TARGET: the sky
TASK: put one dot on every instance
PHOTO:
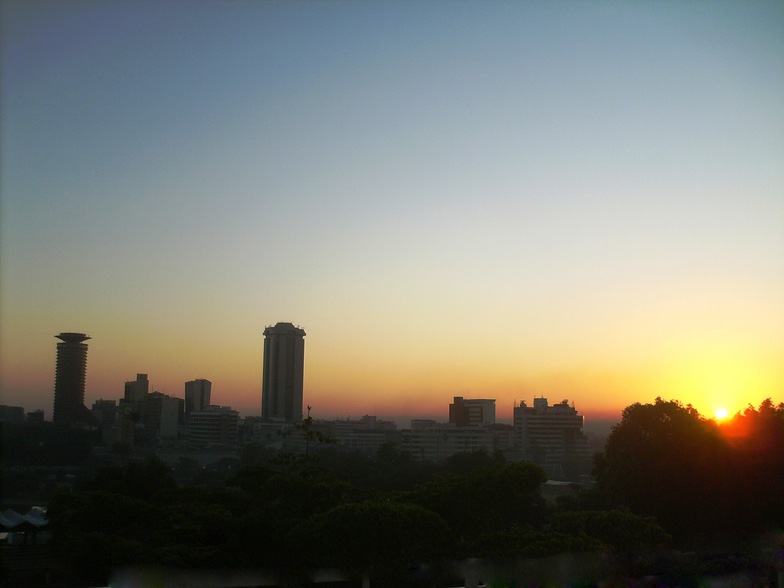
(580, 200)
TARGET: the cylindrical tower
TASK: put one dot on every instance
(69, 379)
(284, 362)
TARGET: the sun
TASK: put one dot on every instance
(720, 414)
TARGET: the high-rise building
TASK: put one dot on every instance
(284, 363)
(161, 416)
(552, 436)
(197, 396)
(69, 380)
(136, 390)
(467, 412)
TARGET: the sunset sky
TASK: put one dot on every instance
(581, 200)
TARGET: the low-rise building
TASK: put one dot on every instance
(439, 442)
(367, 434)
(11, 414)
(213, 426)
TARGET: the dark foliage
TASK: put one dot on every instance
(498, 497)
(618, 530)
(665, 472)
(698, 479)
(44, 444)
(372, 535)
(137, 479)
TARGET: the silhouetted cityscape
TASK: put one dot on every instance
(534, 249)
(187, 486)
(143, 420)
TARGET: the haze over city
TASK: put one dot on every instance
(490, 200)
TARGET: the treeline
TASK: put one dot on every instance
(702, 481)
(667, 479)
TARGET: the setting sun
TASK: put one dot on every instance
(721, 414)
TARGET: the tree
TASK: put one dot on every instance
(373, 538)
(311, 435)
(494, 498)
(138, 479)
(471, 461)
(664, 460)
(757, 440)
(618, 529)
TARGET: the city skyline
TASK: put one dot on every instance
(575, 200)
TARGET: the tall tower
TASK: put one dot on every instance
(284, 363)
(69, 379)
(197, 396)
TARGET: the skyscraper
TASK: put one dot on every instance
(284, 363)
(69, 379)
(197, 396)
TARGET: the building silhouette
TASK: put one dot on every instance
(105, 413)
(69, 380)
(197, 396)
(213, 426)
(431, 441)
(136, 390)
(552, 437)
(11, 414)
(161, 417)
(469, 412)
(282, 378)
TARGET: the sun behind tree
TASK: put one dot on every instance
(721, 414)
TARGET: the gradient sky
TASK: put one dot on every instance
(581, 200)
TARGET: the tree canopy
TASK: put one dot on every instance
(667, 477)
(693, 475)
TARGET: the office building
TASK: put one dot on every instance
(105, 413)
(438, 442)
(282, 378)
(366, 434)
(136, 390)
(127, 418)
(472, 412)
(161, 416)
(552, 437)
(70, 375)
(35, 417)
(11, 414)
(197, 396)
(213, 426)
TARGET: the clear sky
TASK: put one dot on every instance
(581, 200)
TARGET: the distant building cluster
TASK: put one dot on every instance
(548, 435)
(151, 419)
